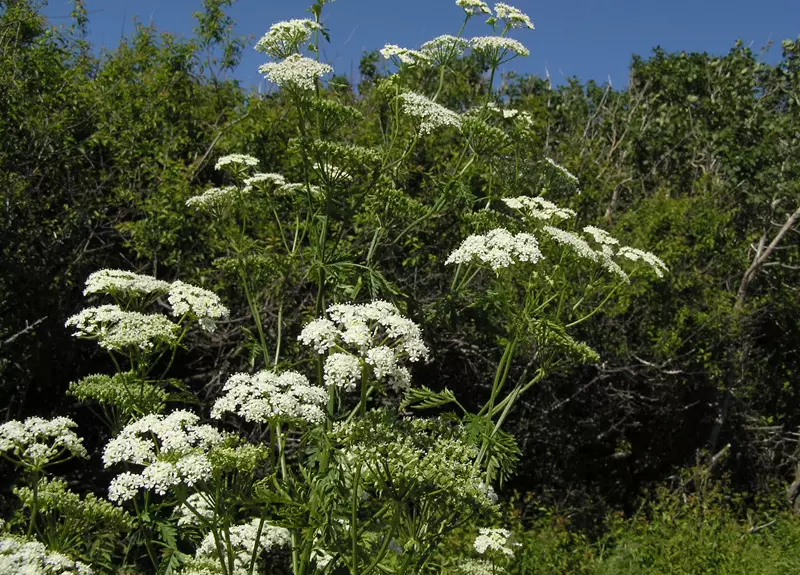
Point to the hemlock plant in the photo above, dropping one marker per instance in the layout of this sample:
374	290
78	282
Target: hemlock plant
312	460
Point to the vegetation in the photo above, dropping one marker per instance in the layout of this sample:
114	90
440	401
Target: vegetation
576	299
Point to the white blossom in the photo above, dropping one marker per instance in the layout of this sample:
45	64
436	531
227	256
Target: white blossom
499	248
266	395
321	333
274	179
115	281
513	17
538	208
243	540
577	243
473	7
476	567
214	198
204	305
633	254
295	70
601	236
242	159
116	329
284	38
507	112
443	48
499	45
494	540
430	114
405	55
22	556
561	170
196	504
37	442
342	370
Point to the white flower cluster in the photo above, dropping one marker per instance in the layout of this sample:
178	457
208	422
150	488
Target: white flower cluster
266	396
196	504
477	567
405	55
173	448
601	236
331	172
513	17
493	540
473	7
507	112
213	198
442	48
274	179
37	442
373	334
243	540
202	304
284	38
577	243
20	556
295	71
538	208
116	329
584	250
633	254
499	45
499	248
240	159
430	114
561	170
121	281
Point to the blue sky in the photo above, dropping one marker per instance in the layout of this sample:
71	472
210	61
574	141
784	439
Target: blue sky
590	39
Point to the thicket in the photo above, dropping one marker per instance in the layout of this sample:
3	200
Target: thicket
673	448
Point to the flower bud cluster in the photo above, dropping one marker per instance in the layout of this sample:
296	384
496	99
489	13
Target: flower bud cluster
498	248
173	449
37	442
268	396
373	335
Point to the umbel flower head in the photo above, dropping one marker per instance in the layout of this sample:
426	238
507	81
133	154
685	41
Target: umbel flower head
498	248
36	442
513	17
173	449
116	329
268	396
430	114
243	541
201	304
406	56
538	208
121	282
499	45
286	38
373	335
236	160
473	7
295	71
443	48
23	556
490	539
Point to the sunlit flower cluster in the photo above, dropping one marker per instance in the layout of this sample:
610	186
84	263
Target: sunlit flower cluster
123	282
237	159
173	449
477	567
499	45
243	540
214	198
633	254
373	335
267	396
513	17
498	248
203	305
538	208
295	71
116	329
562	171
285	38
493	540
430	114
443	48
405	55
259	178
573	241
37	442
473	7
21	556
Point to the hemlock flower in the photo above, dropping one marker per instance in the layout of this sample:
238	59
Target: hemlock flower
213	198
562	171
196	503
538	208
513	17
406	56
342	370
477	567
443	48
573	241
499	248
23	556
285	38
473	7
274	179
601	236
242	159
203	305
38	442
172	448
267	396
430	114
116	329
493	540
634	254
295	71
120	281
243	540
498	44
